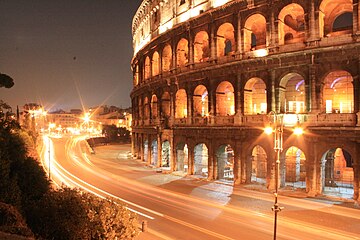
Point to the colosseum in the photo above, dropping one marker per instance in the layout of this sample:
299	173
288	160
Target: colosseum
210	75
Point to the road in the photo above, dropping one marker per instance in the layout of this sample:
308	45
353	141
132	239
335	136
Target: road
180	207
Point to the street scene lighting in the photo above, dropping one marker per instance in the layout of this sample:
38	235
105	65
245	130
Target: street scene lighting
277	122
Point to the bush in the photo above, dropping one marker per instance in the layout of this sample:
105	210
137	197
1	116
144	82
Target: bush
12	222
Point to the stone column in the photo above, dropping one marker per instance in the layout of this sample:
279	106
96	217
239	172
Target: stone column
356	169
191	47
356	22
149	157
190	160
273	98
212	165
212	42
172	153
133	151
237	165
238	39
189	106
159	150
313	101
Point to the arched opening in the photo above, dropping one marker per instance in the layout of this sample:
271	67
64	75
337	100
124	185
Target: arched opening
201	160
166	58
255	32
291	24
165	161
225	163
154	107
335	18
201	101
182	157
293	170
225	101
146	108
146	150
181	104
255	97
337	173
165	104
201	47
259	165
292	93
338	93
225	40
154	153
182	53
155	64
147	68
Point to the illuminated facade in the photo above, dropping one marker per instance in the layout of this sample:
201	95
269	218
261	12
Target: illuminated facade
208	72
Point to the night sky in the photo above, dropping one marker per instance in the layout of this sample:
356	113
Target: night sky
66	54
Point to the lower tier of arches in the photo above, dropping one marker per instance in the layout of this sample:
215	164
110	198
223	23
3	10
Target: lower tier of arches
318	163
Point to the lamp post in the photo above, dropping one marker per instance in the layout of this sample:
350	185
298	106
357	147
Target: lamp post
278	130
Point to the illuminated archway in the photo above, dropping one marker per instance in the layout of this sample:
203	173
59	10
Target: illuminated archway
155	64
201	101
294	168
338	94
255	97
292	93
166	58
225	101
329	12
225	40
201	160
154	153
259	165
337	173
147	68
154	107
225	162
182	53
181	104
146	108
291	24
146	150
165	161
255	32
201	47
182	159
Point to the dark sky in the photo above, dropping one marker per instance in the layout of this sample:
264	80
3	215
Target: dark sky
62	53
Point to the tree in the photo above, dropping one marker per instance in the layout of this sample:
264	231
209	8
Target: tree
6	81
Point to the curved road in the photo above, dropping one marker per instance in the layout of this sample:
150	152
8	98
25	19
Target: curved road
177	207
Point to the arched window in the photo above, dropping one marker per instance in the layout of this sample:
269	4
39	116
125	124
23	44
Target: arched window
225	101
155	64
181	104
182	53
201	47
225	40
166	58
291	24
255	32
147	68
200	100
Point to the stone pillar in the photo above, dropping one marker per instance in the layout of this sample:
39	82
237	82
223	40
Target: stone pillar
272	32
190	160
133	151
237	165
149	157
239	49
239	99
142	156
212	104
273	96
212	164
191	47
356	22
172	153
212	42
159	150
172	107
189	106
312	99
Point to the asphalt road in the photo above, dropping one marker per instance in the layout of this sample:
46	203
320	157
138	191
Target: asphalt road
180	207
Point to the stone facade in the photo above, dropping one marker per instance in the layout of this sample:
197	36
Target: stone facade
209	75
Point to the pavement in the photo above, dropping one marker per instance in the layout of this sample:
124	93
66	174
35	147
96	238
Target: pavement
221	192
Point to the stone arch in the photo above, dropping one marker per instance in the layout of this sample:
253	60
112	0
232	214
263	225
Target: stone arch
155	64
225	162
338	93
182	52
201	101
181	104
166	58
255	100
255	32
182	157
201	156
165	104
147	68
201	47
291	24
225	100
329	11
293	168
154	106
259	165
165	154
154	153
225	40
337	174
292	94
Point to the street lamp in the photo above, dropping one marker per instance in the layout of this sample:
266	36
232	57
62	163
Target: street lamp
278	129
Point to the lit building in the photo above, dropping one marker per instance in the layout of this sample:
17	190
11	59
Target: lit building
207	73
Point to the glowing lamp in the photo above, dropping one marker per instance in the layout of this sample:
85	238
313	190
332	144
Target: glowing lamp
268	130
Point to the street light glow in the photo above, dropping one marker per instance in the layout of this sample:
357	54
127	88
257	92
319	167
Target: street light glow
268	130
298	131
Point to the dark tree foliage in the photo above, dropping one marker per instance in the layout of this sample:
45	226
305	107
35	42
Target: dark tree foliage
115	134
6	81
